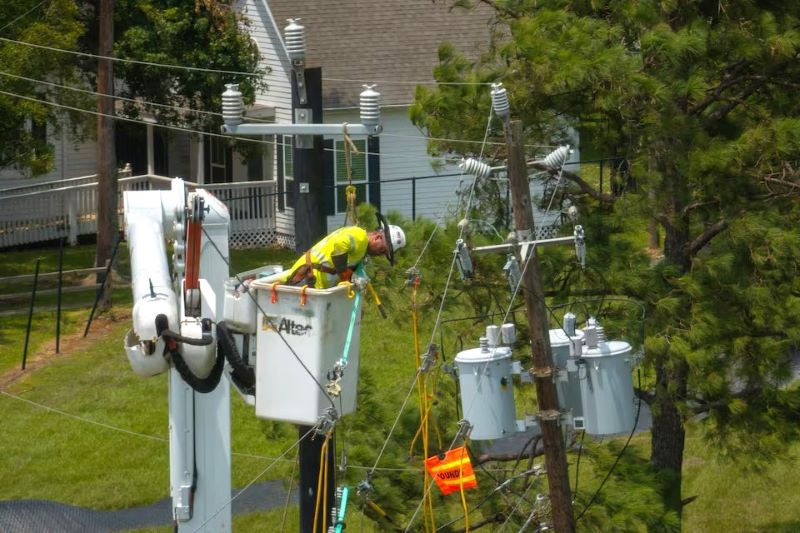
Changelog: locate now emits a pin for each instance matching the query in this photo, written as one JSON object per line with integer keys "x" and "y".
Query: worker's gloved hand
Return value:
{"x": 346, "y": 274}
{"x": 359, "y": 281}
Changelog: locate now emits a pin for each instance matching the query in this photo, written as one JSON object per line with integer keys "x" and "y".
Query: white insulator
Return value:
{"x": 555, "y": 159}
{"x": 569, "y": 324}
{"x": 232, "y": 105}
{"x": 294, "y": 36}
{"x": 463, "y": 260}
{"x": 493, "y": 335}
{"x": 370, "y": 106}
{"x": 500, "y": 100}
{"x": 601, "y": 334}
{"x": 509, "y": 333}
{"x": 475, "y": 167}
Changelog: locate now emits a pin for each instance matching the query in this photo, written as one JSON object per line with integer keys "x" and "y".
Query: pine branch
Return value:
{"x": 494, "y": 519}
{"x": 734, "y": 102}
{"x": 696, "y": 205}
{"x": 704, "y": 238}
{"x": 584, "y": 187}
{"x": 664, "y": 221}
{"x": 646, "y": 396}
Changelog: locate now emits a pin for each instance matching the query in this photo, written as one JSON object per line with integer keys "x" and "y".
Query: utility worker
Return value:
{"x": 336, "y": 257}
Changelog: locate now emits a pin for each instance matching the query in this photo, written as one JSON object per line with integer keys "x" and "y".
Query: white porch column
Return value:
{"x": 151, "y": 158}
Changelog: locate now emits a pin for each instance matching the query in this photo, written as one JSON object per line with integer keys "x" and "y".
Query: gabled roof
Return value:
{"x": 381, "y": 40}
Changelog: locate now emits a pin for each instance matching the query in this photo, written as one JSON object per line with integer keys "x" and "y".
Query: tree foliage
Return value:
{"x": 53, "y": 24}
{"x": 699, "y": 98}
{"x": 206, "y": 34}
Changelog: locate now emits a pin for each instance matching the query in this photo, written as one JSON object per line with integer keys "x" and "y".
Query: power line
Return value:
{"x": 130, "y": 61}
{"x": 37, "y": 6}
{"x": 402, "y": 82}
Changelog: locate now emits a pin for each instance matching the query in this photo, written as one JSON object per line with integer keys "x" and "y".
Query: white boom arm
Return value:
{"x": 165, "y": 336}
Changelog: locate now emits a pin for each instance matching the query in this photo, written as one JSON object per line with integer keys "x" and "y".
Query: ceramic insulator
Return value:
{"x": 294, "y": 36}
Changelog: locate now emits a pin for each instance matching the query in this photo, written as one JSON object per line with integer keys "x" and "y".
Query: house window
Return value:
{"x": 358, "y": 171}
{"x": 219, "y": 160}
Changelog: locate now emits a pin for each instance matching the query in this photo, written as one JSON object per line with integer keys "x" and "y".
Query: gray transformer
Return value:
{"x": 487, "y": 391}
{"x": 568, "y": 385}
{"x": 604, "y": 373}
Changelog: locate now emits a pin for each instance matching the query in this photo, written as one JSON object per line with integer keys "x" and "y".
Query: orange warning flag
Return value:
{"x": 452, "y": 470}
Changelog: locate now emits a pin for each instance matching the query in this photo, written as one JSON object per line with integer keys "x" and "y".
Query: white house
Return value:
{"x": 392, "y": 44}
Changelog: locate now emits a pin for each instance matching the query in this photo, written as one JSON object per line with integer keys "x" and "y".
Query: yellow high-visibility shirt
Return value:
{"x": 350, "y": 240}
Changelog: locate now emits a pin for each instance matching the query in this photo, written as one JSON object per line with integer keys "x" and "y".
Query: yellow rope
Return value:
{"x": 322, "y": 484}
{"x": 350, "y": 190}
{"x": 461, "y": 488}
{"x": 424, "y": 411}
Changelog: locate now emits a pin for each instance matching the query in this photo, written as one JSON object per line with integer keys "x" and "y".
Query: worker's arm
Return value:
{"x": 339, "y": 262}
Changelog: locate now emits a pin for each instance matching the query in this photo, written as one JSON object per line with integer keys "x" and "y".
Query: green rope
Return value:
{"x": 353, "y": 315}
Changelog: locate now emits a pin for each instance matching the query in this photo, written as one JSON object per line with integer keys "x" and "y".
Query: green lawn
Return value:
{"x": 79, "y": 455}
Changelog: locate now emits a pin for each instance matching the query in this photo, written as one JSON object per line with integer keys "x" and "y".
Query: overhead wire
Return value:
{"x": 129, "y": 61}
{"x": 441, "y": 306}
{"x": 28, "y": 12}
{"x": 249, "y": 119}
{"x": 256, "y": 478}
{"x": 122, "y": 98}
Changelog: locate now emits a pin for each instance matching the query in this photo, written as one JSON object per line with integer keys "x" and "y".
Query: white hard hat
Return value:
{"x": 397, "y": 237}
{"x": 394, "y": 235}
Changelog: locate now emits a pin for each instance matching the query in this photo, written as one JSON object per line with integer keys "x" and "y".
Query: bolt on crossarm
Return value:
{"x": 543, "y": 367}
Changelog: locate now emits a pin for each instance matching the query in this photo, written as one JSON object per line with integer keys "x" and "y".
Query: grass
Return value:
{"x": 85, "y": 462}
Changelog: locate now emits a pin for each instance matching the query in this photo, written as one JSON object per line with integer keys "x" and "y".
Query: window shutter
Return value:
{"x": 374, "y": 171}
{"x": 327, "y": 178}
{"x": 281, "y": 182}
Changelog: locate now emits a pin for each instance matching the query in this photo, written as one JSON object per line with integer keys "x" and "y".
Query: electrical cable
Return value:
{"x": 37, "y": 6}
{"x": 130, "y": 61}
{"x": 401, "y": 82}
{"x": 125, "y": 99}
{"x": 252, "y": 482}
{"x": 619, "y": 455}
{"x": 164, "y": 439}
{"x": 289, "y": 492}
{"x": 578, "y": 462}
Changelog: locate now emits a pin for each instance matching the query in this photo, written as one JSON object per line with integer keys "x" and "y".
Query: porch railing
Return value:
{"x": 68, "y": 208}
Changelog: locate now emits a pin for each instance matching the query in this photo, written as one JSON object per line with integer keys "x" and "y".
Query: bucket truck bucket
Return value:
{"x": 301, "y": 337}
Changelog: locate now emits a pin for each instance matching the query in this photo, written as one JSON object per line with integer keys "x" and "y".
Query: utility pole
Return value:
{"x": 309, "y": 189}
{"x": 543, "y": 368}
{"x": 107, "y": 224}
{"x": 309, "y": 227}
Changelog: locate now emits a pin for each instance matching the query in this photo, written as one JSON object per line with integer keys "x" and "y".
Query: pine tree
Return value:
{"x": 698, "y": 98}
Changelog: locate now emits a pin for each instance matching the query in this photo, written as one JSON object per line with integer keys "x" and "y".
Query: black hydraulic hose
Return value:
{"x": 201, "y": 385}
{"x": 242, "y": 373}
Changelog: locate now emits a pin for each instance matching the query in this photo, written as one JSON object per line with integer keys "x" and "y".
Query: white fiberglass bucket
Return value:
{"x": 291, "y": 386}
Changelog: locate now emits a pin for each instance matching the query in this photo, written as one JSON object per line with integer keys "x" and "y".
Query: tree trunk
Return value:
{"x": 668, "y": 432}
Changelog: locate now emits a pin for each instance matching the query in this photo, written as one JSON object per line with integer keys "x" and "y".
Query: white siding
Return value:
{"x": 267, "y": 34}
{"x": 71, "y": 158}
{"x": 403, "y": 154}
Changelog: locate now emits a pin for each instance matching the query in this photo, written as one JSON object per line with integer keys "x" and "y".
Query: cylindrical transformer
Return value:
{"x": 370, "y": 106}
{"x": 606, "y": 383}
{"x": 294, "y": 35}
{"x": 487, "y": 392}
{"x": 568, "y": 386}
{"x": 232, "y": 105}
